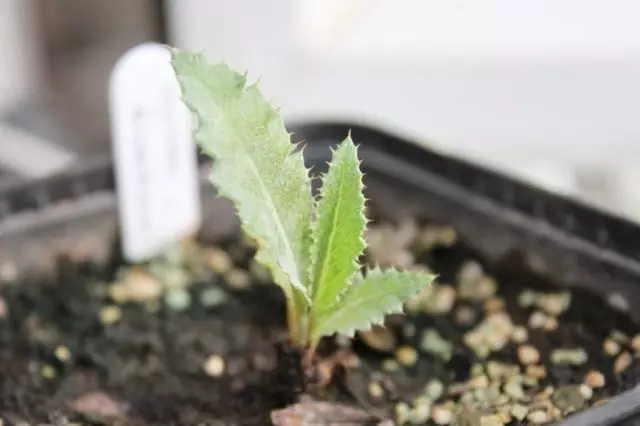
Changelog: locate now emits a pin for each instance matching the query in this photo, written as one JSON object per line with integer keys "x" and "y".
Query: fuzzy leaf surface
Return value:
{"x": 254, "y": 162}
{"x": 338, "y": 228}
{"x": 368, "y": 299}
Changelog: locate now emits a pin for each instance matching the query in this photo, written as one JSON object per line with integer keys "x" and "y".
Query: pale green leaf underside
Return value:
{"x": 278, "y": 276}
{"x": 338, "y": 229}
{"x": 368, "y": 299}
{"x": 254, "y": 163}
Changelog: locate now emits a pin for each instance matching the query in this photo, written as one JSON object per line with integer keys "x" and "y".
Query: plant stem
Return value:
{"x": 310, "y": 322}
{"x": 300, "y": 309}
{"x": 293, "y": 324}
{"x": 309, "y": 354}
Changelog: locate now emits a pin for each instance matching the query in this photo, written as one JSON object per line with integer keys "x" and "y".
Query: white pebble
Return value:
{"x": 528, "y": 354}
{"x": 538, "y": 417}
{"x": 527, "y": 298}
{"x": 420, "y": 412}
{"x": 537, "y": 320}
{"x": 401, "y": 413}
{"x": 519, "y": 334}
{"x": 214, "y": 366}
{"x": 406, "y": 355}
{"x": 586, "y": 391}
{"x": 441, "y": 415}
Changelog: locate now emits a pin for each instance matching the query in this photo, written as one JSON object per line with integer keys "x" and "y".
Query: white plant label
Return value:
{"x": 154, "y": 153}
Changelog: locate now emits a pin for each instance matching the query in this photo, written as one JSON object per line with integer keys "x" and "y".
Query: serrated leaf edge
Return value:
{"x": 317, "y": 291}
{"x": 297, "y": 281}
{"x": 375, "y": 318}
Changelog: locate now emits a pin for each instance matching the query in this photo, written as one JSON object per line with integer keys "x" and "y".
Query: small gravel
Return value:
{"x": 178, "y": 300}
{"x": 586, "y": 391}
{"x": 434, "y": 344}
{"x": 576, "y": 356}
{"x": 420, "y": 412}
{"x": 519, "y": 334}
{"x": 479, "y": 382}
{"x": 527, "y": 354}
{"x": 622, "y": 362}
{"x": 569, "y": 399}
{"x": 375, "y": 390}
{"x": 519, "y": 411}
{"x": 110, "y": 314}
{"x": 610, "y": 347}
{"x": 537, "y": 319}
{"x": 62, "y": 353}
{"x": 442, "y": 415}
{"x": 440, "y": 301}
{"x": 495, "y": 304}
{"x": 214, "y": 366}
{"x": 434, "y": 389}
{"x": 48, "y": 372}
{"x": 401, "y": 411}
{"x": 493, "y": 420}
{"x": 406, "y": 355}
{"x": 553, "y": 303}
{"x": 527, "y": 299}
{"x": 537, "y": 372}
{"x": 538, "y": 417}
{"x": 635, "y": 343}
{"x": 594, "y": 379}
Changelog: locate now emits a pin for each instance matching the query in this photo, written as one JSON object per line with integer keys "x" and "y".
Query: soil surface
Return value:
{"x": 193, "y": 339}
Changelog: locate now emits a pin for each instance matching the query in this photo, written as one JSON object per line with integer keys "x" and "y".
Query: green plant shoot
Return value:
{"x": 310, "y": 246}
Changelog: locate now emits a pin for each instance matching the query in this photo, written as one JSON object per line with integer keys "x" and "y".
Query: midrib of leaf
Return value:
{"x": 334, "y": 221}
{"x": 274, "y": 210}
{"x": 358, "y": 309}
{"x": 338, "y": 228}
{"x": 235, "y": 117}
{"x": 339, "y": 313}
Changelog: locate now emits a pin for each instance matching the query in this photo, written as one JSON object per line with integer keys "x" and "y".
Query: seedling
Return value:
{"x": 311, "y": 246}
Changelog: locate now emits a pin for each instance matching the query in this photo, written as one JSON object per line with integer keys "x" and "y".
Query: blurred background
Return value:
{"x": 547, "y": 91}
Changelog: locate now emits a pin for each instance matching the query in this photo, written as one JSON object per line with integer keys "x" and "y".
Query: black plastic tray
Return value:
{"x": 574, "y": 244}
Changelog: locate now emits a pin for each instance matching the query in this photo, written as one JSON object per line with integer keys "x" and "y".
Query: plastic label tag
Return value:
{"x": 154, "y": 152}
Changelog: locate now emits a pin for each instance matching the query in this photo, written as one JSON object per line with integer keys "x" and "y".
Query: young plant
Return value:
{"x": 311, "y": 246}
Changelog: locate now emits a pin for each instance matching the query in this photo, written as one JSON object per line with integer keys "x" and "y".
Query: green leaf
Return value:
{"x": 368, "y": 299}
{"x": 278, "y": 275}
{"x": 311, "y": 254}
{"x": 338, "y": 229}
{"x": 255, "y": 165}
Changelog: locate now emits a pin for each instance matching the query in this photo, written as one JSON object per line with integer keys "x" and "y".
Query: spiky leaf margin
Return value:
{"x": 255, "y": 164}
{"x": 338, "y": 229}
{"x": 368, "y": 299}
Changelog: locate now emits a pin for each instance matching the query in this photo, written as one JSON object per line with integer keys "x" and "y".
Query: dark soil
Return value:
{"x": 149, "y": 364}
